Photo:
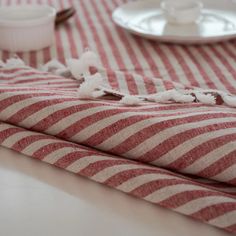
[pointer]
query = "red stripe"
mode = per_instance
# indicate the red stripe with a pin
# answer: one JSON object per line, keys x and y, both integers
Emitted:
{"x": 227, "y": 65}
{"x": 59, "y": 43}
{"x": 98, "y": 166}
{"x": 112, "y": 129}
{"x": 80, "y": 29}
{"x": 70, "y": 158}
{"x": 189, "y": 74}
{"x": 52, "y": 147}
{"x": 37, "y": 106}
{"x": 208, "y": 81}
{"x": 199, "y": 151}
{"x": 96, "y": 37}
{"x": 25, "y": 142}
{"x": 170, "y": 69}
{"x": 7, "y": 133}
{"x": 184, "y": 197}
{"x": 230, "y": 53}
{"x": 148, "y": 132}
{"x": 213, "y": 211}
{"x": 129, "y": 79}
{"x": 150, "y": 187}
{"x": 184, "y": 136}
{"x": 17, "y": 98}
{"x": 231, "y": 228}
{"x": 220, "y": 165}
{"x": 216, "y": 70}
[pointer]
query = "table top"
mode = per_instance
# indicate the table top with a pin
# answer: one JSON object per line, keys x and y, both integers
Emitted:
{"x": 38, "y": 199}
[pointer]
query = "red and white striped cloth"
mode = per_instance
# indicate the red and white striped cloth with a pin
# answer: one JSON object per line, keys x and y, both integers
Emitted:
{"x": 180, "y": 156}
{"x": 42, "y": 117}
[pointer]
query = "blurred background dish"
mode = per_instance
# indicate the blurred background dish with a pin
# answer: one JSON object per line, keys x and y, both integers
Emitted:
{"x": 147, "y": 19}
{"x": 26, "y": 27}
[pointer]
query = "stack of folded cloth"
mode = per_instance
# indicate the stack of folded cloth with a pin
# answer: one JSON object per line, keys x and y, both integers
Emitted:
{"x": 162, "y": 142}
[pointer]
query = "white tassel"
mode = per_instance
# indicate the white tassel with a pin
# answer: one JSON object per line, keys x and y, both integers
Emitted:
{"x": 161, "y": 97}
{"x": 171, "y": 95}
{"x": 52, "y": 65}
{"x": 63, "y": 72}
{"x": 80, "y": 67}
{"x": 90, "y": 58}
{"x": 77, "y": 68}
{"x": 98, "y": 93}
{"x": 15, "y": 62}
{"x": 56, "y": 67}
{"x": 130, "y": 100}
{"x": 89, "y": 86}
{"x": 2, "y": 64}
{"x": 207, "y": 99}
{"x": 229, "y": 100}
{"x": 181, "y": 97}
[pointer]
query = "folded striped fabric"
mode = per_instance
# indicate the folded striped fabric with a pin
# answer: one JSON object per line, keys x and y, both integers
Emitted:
{"x": 178, "y": 155}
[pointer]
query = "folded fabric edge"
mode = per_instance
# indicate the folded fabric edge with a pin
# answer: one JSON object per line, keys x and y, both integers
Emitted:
{"x": 156, "y": 185}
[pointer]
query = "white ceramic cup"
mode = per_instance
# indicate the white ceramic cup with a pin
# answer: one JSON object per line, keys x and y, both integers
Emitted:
{"x": 26, "y": 27}
{"x": 182, "y": 11}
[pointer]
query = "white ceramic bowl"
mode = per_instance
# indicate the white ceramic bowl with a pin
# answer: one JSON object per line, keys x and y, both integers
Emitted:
{"x": 182, "y": 11}
{"x": 26, "y": 27}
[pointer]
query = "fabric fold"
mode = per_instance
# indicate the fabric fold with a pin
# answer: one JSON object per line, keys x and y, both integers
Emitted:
{"x": 178, "y": 155}
{"x": 189, "y": 138}
{"x": 215, "y": 205}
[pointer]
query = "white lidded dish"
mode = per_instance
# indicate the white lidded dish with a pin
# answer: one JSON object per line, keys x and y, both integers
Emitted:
{"x": 182, "y": 11}
{"x": 26, "y": 27}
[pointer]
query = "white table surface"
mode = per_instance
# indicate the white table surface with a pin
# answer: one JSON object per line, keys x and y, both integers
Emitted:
{"x": 37, "y": 199}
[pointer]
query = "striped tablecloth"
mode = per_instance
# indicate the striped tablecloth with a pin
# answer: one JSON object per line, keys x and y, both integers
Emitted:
{"x": 180, "y": 156}
{"x": 212, "y": 66}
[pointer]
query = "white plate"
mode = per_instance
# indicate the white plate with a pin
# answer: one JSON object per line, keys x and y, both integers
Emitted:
{"x": 145, "y": 18}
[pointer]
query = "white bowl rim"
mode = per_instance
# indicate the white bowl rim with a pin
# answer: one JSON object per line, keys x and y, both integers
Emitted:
{"x": 49, "y": 14}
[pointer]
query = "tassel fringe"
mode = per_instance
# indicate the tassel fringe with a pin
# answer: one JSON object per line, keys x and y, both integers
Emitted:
{"x": 91, "y": 85}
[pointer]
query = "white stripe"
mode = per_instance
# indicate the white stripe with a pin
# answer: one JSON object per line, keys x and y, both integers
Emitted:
{"x": 17, "y": 76}
{"x": 176, "y": 65}
{"x": 17, "y": 106}
{"x": 167, "y": 133}
{"x": 196, "y": 205}
{"x": 13, "y": 139}
{"x": 224, "y": 220}
{"x": 140, "y": 180}
{"x": 101, "y": 34}
{"x": 75, "y": 117}
{"x": 227, "y": 175}
{"x": 84, "y": 162}
{"x": 207, "y": 68}
{"x": 228, "y": 76}
{"x": 108, "y": 172}
{"x": 175, "y": 153}
{"x": 58, "y": 154}
{"x": 25, "y": 90}
{"x": 118, "y": 43}
{"x": 4, "y": 73}
{"x": 169, "y": 191}
{"x": 35, "y": 146}
{"x": 192, "y": 67}
{"x": 157, "y": 59}
{"x": 206, "y": 160}
{"x": 71, "y": 119}
{"x": 103, "y": 123}
{"x": 4, "y": 126}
